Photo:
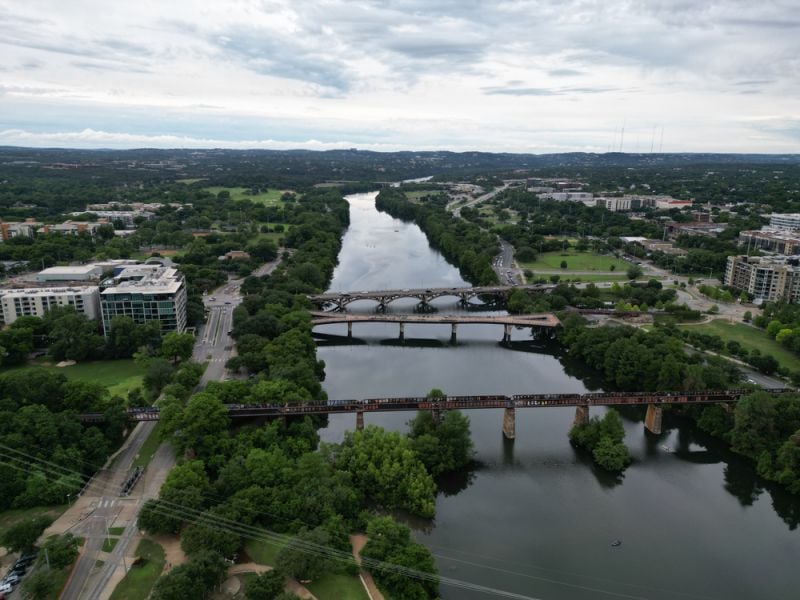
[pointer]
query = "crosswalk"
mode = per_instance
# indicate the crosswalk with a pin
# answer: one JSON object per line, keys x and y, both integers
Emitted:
{"x": 106, "y": 503}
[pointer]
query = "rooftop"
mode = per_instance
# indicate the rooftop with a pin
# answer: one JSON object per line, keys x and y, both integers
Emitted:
{"x": 70, "y": 270}
{"x": 144, "y": 279}
{"x": 48, "y": 291}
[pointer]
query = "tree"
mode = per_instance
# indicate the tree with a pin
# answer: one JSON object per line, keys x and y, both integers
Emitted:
{"x": 23, "y": 535}
{"x": 611, "y": 455}
{"x": 634, "y": 272}
{"x": 296, "y": 561}
{"x": 266, "y": 586}
{"x": 39, "y": 585}
{"x": 390, "y": 542}
{"x": 563, "y": 264}
{"x": 177, "y": 346}
{"x": 158, "y": 374}
{"x": 61, "y": 551}
{"x": 443, "y": 447}
{"x": 385, "y": 468}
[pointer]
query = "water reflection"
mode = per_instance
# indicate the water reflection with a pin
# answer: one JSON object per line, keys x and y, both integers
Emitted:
{"x": 535, "y": 516}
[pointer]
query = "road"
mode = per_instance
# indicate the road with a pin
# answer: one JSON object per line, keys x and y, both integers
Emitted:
{"x": 487, "y": 196}
{"x": 101, "y": 500}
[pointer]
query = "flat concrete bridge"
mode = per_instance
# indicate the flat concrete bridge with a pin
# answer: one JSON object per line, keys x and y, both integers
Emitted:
{"x": 544, "y": 322}
{"x": 384, "y": 297}
{"x": 582, "y": 402}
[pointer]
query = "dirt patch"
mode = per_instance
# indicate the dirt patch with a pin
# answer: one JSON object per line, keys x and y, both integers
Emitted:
{"x": 357, "y": 542}
{"x": 173, "y": 554}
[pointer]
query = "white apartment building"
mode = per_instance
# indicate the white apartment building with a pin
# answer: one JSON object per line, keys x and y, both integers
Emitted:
{"x": 36, "y": 302}
{"x": 786, "y": 221}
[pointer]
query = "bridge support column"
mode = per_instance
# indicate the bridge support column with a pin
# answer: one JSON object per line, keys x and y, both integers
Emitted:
{"x": 506, "y": 333}
{"x": 652, "y": 420}
{"x": 437, "y": 416}
{"x": 359, "y": 420}
{"x": 349, "y": 329}
{"x": 510, "y": 423}
{"x": 453, "y": 329}
{"x": 402, "y": 331}
{"x": 581, "y": 415}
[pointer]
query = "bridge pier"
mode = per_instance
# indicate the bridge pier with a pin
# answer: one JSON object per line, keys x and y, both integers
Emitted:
{"x": 506, "y": 333}
{"x": 652, "y": 420}
{"x": 349, "y": 329}
{"x": 402, "y": 331}
{"x": 437, "y": 416}
{"x": 359, "y": 420}
{"x": 510, "y": 423}
{"x": 453, "y": 329}
{"x": 581, "y": 416}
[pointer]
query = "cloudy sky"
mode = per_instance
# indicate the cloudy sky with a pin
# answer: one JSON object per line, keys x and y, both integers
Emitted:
{"x": 519, "y": 76}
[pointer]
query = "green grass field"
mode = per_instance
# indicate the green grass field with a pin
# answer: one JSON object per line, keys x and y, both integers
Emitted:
{"x": 109, "y": 543}
{"x": 750, "y": 338}
{"x": 149, "y": 447}
{"x": 576, "y": 261}
{"x": 119, "y": 376}
{"x": 585, "y": 278}
{"x": 268, "y": 198}
{"x": 262, "y": 552}
{"x": 9, "y": 518}
{"x": 190, "y": 181}
{"x": 140, "y": 580}
{"x": 338, "y": 587}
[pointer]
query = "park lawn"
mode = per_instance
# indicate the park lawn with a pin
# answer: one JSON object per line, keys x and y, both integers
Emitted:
{"x": 119, "y": 376}
{"x": 140, "y": 580}
{"x": 417, "y": 194}
{"x": 576, "y": 261}
{"x": 9, "y": 518}
{"x": 587, "y": 278}
{"x": 269, "y": 198}
{"x": 190, "y": 181}
{"x": 263, "y": 552}
{"x": 149, "y": 447}
{"x": 749, "y": 337}
{"x": 335, "y": 586}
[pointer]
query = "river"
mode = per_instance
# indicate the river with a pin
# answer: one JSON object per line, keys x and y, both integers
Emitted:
{"x": 535, "y": 517}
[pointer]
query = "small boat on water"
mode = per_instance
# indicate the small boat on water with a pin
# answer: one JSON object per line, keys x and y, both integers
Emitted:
{"x": 616, "y": 543}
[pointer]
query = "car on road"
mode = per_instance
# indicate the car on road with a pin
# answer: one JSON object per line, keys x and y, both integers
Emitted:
{"x": 5, "y": 588}
{"x": 226, "y": 302}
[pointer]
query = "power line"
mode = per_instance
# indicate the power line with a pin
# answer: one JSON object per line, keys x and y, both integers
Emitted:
{"x": 211, "y": 521}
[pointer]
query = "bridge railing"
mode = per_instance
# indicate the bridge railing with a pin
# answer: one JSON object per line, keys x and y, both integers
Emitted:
{"x": 152, "y": 413}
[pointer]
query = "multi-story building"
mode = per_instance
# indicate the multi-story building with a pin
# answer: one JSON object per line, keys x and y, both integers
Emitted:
{"x": 616, "y": 204}
{"x": 37, "y": 301}
{"x": 145, "y": 293}
{"x": 780, "y": 241}
{"x": 768, "y": 279}
{"x": 10, "y": 230}
{"x": 74, "y": 227}
{"x": 786, "y": 221}
{"x": 567, "y": 196}
{"x": 126, "y": 217}
{"x": 70, "y": 273}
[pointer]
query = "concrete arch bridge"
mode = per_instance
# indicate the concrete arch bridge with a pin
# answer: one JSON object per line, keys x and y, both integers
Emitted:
{"x": 339, "y": 300}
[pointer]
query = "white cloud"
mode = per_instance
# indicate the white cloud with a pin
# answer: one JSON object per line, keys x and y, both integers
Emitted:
{"x": 403, "y": 73}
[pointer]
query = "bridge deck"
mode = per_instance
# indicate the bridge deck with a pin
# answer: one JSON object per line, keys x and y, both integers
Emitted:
{"x": 416, "y": 292}
{"x": 242, "y": 411}
{"x": 535, "y": 320}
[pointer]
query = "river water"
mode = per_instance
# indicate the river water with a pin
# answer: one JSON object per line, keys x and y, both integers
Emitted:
{"x": 534, "y": 516}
